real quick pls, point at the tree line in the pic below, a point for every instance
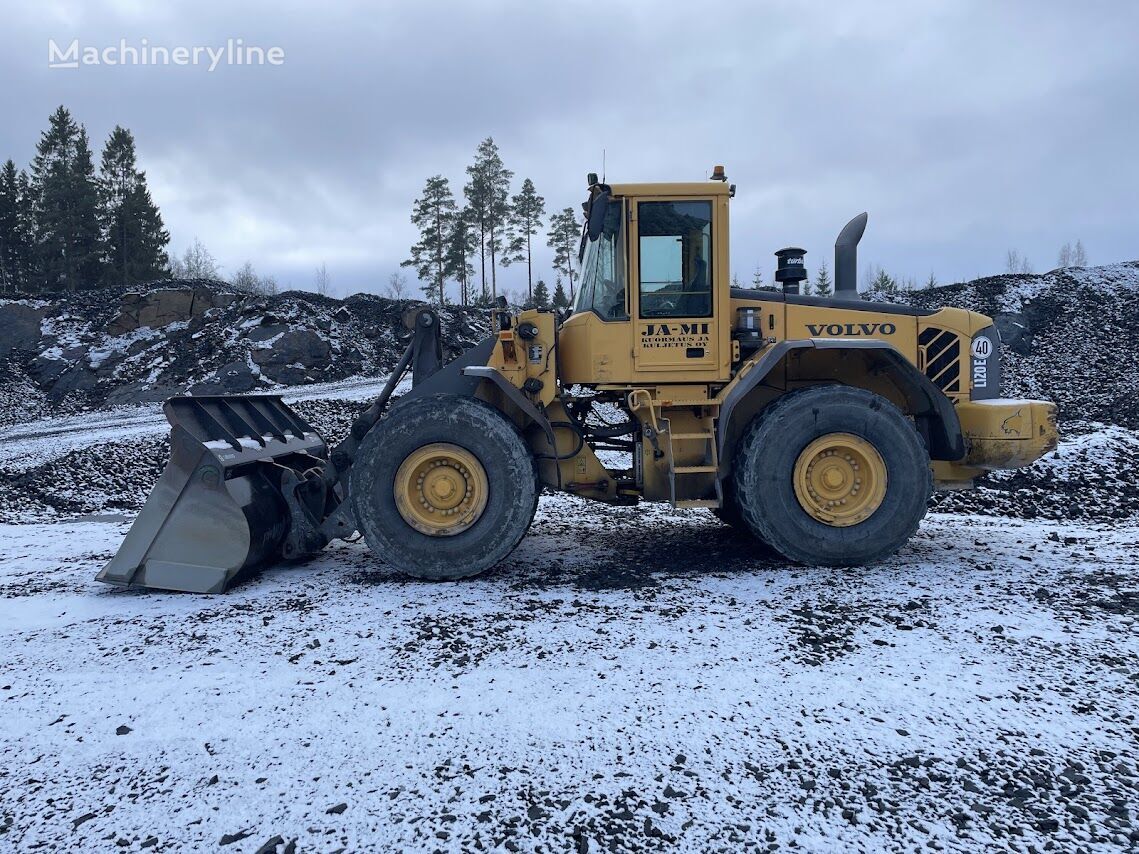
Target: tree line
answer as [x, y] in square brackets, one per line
[493, 226]
[66, 226]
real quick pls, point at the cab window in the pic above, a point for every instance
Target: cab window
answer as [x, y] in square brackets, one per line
[675, 249]
[602, 288]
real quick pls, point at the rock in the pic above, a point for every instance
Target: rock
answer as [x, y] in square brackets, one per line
[163, 306]
[336, 810]
[1016, 331]
[19, 327]
[270, 845]
[297, 346]
[232, 378]
[230, 838]
[77, 378]
[287, 374]
[123, 730]
[265, 332]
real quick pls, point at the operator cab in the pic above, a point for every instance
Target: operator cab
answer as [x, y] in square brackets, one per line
[654, 285]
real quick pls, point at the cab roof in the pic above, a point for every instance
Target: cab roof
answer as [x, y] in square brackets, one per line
[704, 189]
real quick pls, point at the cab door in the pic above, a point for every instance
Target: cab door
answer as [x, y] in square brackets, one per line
[673, 295]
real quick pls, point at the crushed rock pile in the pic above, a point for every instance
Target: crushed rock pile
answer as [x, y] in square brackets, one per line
[108, 347]
[1068, 335]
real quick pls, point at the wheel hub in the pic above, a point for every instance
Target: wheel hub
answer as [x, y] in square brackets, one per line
[440, 489]
[840, 479]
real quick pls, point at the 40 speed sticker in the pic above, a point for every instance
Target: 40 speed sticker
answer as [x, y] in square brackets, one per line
[982, 348]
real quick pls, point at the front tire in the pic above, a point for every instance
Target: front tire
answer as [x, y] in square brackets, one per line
[443, 487]
[833, 476]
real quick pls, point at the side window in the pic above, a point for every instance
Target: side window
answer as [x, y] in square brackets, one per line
[603, 269]
[675, 247]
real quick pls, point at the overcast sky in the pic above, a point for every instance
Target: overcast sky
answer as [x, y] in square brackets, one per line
[963, 128]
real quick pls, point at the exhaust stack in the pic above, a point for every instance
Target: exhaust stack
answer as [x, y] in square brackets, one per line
[846, 257]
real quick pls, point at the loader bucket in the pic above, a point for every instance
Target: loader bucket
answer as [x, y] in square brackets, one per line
[217, 510]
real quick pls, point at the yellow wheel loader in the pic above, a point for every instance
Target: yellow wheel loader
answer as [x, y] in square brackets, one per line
[818, 424]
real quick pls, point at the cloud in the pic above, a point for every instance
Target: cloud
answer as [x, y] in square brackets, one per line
[964, 128]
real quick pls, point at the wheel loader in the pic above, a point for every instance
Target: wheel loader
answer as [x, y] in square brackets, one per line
[819, 425]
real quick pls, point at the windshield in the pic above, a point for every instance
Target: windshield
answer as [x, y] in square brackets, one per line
[602, 288]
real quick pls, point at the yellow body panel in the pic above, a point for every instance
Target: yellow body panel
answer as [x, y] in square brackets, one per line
[1005, 434]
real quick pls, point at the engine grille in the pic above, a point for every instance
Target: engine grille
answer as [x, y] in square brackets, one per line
[941, 355]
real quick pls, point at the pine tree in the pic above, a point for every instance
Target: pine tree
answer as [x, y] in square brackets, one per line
[1079, 255]
[460, 247]
[28, 273]
[884, 283]
[66, 205]
[487, 194]
[13, 250]
[931, 282]
[757, 277]
[87, 244]
[823, 284]
[433, 215]
[560, 298]
[540, 298]
[132, 228]
[526, 211]
[499, 210]
[477, 192]
[563, 237]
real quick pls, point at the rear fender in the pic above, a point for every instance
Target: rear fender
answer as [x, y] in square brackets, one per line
[933, 412]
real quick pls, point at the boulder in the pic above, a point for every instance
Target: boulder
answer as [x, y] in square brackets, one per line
[295, 347]
[1016, 331]
[19, 327]
[164, 306]
[232, 378]
[76, 378]
[287, 374]
[264, 333]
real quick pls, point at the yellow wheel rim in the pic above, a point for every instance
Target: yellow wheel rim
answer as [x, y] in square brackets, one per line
[840, 479]
[441, 489]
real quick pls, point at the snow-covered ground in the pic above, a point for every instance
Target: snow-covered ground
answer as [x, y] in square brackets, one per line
[627, 679]
[630, 679]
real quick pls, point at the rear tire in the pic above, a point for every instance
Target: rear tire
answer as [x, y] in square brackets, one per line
[783, 471]
[397, 455]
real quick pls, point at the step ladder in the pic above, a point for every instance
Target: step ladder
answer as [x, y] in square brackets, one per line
[709, 465]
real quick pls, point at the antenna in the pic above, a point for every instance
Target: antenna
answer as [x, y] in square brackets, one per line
[603, 166]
